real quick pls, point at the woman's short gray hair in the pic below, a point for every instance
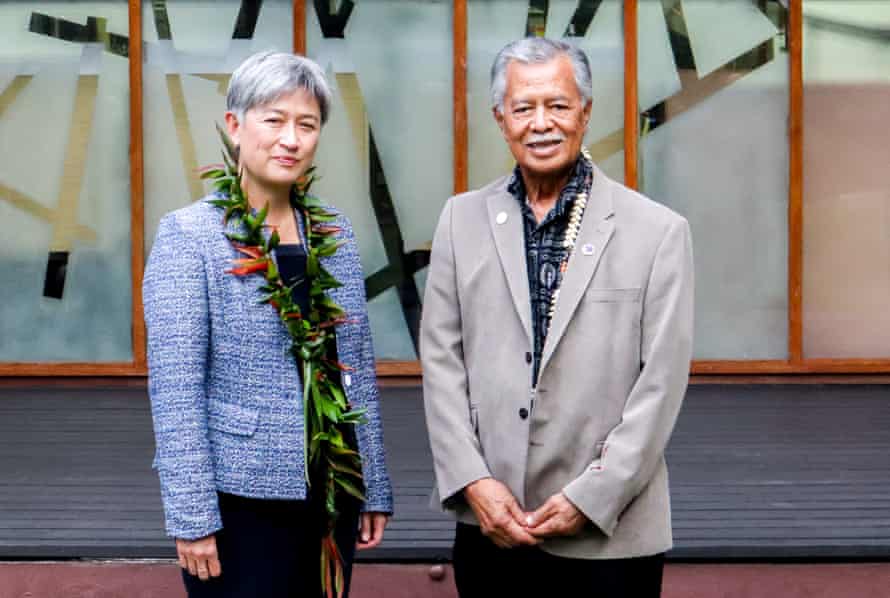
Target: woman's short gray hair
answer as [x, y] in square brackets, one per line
[538, 50]
[266, 76]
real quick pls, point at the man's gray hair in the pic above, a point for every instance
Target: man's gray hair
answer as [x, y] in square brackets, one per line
[266, 76]
[539, 50]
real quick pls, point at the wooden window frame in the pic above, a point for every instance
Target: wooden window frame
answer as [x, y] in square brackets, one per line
[796, 363]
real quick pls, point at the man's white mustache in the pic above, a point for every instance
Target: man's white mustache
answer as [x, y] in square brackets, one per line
[544, 139]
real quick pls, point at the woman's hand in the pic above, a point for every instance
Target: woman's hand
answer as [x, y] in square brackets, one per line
[199, 556]
[370, 530]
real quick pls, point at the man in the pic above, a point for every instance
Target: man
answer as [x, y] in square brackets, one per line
[556, 339]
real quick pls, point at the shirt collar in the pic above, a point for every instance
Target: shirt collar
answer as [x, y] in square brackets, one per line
[578, 181]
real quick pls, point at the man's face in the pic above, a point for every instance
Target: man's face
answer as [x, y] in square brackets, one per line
[543, 117]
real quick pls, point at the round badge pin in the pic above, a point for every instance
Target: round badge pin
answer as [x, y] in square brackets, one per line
[501, 217]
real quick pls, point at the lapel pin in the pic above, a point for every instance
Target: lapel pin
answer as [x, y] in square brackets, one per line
[501, 217]
[587, 249]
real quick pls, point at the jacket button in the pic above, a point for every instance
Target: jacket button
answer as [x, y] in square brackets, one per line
[523, 413]
[528, 358]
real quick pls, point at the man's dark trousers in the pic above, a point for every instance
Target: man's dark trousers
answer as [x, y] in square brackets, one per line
[484, 570]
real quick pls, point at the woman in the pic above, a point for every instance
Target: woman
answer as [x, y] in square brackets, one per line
[230, 341]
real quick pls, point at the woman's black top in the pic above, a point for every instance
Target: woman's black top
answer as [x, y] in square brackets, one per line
[292, 268]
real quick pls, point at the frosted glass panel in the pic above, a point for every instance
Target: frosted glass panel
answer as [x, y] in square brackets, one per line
[191, 50]
[65, 283]
[390, 342]
[604, 45]
[407, 86]
[196, 27]
[558, 17]
[343, 163]
[420, 280]
[27, 28]
[717, 152]
[658, 77]
[844, 43]
[386, 155]
[721, 30]
[493, 24]
[846, 283]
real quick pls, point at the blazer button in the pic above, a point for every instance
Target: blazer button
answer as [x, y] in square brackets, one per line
[528, 358]
[523, 413]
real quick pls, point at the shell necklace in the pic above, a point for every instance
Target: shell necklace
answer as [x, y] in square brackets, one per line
[571, 235]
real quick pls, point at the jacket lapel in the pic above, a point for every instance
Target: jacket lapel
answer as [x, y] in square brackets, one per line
[505, 220]
[596, 230]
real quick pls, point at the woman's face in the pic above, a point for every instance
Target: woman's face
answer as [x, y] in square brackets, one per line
[277, 140]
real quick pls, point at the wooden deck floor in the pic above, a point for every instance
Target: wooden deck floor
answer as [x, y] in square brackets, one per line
[757, 472]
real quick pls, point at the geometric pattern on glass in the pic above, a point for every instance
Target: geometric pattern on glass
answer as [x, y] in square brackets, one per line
[64, 183]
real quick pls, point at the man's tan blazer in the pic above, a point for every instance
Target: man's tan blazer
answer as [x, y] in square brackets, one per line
[613, 373]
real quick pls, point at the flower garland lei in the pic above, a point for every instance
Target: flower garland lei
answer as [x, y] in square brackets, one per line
[325, 408]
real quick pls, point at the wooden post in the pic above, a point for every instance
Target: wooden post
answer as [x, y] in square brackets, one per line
[631, 100]
[459, 73]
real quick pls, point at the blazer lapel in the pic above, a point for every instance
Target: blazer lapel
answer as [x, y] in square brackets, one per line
[505, 220]
[596, 230]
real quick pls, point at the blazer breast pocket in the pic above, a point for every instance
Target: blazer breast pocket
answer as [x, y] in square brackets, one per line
[622, 295]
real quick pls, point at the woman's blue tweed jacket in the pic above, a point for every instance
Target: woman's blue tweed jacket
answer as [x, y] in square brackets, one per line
[225, 392]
